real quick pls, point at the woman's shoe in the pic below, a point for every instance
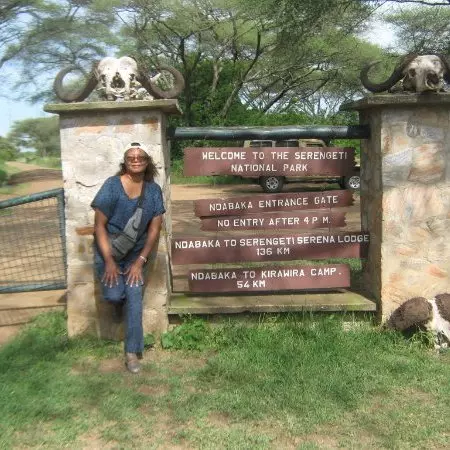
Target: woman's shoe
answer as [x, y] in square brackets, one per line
[132, 363]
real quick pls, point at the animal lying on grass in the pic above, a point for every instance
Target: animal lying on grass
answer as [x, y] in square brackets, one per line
[421, 313]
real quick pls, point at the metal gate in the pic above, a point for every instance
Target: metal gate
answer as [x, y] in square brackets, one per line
[32, 243]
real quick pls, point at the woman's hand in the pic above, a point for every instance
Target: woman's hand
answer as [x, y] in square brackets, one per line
[134, 273]
[111, 275]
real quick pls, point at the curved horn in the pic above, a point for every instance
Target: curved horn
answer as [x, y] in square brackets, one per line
[77, 96]
[396, 76]
[178, 85]
[446, 63]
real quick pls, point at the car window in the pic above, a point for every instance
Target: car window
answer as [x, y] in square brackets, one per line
[260, 143]
[287, 143]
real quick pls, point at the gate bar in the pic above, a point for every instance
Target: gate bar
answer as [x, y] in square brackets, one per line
[271, 133]
[32, 198]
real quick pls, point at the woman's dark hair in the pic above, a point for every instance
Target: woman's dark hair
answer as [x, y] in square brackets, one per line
[150, 172]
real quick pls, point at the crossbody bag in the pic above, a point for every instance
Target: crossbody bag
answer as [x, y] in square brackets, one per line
[125, 241]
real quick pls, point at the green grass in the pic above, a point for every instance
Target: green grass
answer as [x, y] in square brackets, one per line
[15, 190]
[297, 381]
[52, 162]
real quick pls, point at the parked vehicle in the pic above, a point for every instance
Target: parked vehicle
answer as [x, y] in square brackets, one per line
[272, 183]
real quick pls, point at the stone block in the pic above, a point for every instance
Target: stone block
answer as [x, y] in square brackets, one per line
[93, 137]
[154, 321]
[408, 157]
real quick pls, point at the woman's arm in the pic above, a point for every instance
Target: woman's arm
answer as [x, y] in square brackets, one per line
[135, 270]
[111, 275]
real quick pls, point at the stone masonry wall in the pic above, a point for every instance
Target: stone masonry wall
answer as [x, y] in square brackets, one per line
[92, 146]
[405, 202]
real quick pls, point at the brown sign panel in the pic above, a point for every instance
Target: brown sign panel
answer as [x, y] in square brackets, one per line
[263, 203]
[192, 250]
[285, 278]
[254, 162]
[276, 221]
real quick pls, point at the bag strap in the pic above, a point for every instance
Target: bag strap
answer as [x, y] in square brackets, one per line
[134, 223]
[142, 196]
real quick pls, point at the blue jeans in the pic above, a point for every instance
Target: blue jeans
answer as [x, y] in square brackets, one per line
[132, 298]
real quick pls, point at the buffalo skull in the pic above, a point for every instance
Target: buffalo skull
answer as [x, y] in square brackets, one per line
[416, 73]
[118, 78]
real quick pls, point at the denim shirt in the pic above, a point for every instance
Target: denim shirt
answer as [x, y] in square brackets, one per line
[114, 203]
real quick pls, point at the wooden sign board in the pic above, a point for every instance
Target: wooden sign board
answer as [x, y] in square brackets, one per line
[276, 221]
[262, 203]
[254, 162]
[193, 250]
[281, 278]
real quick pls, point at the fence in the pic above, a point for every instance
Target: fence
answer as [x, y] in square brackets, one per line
[32, 243]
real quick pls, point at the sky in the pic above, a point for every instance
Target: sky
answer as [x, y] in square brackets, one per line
[12, 110]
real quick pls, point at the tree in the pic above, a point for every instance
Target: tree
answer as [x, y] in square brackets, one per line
[422, 29]
[235, 55]
[258, 52]
[8, 151]
[421, 2]
[38, 38]
[40, 134]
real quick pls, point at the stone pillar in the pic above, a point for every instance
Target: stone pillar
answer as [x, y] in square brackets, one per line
[405, 196]
[93, 137]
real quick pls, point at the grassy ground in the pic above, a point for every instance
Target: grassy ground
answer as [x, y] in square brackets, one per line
[292, 382]
[5, 189]
[51, 162]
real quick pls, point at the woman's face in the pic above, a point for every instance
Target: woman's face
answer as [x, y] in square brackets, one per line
[136, 160]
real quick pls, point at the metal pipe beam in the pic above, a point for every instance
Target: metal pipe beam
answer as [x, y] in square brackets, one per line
[324, 132]
[27, 287]
[31, 198]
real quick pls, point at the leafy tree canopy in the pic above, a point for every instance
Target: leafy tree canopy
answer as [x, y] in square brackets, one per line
[40, 134]
[8, 151]
[422, 29]
[240, 58]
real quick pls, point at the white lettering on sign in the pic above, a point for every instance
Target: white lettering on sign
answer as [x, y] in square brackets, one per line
[326, 200]
[266, 241]
[353, 238]
[321, 155]
[247, 284]
[282, 273]
[269, 278]
[274, 221]
[248, 222]
[213, 275]
[230, 206]
[295, 167]
[214, 156]
[321, 272]
[211, 243]
[240, 168]
[283, 241]
[283, 202]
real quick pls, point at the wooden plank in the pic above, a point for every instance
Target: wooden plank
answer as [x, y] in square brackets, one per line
[263, 203]
[30, 300]
[221, 304]
[268, 248]
[263, 279]
[276, 221]
[85, 231]
[21, 316]
[280, 161]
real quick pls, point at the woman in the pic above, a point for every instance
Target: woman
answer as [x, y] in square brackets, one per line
[115, 203]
